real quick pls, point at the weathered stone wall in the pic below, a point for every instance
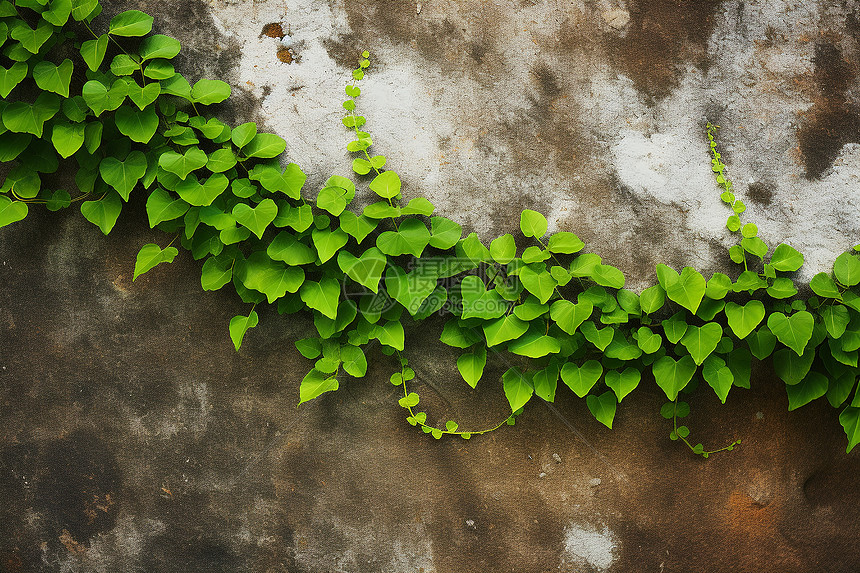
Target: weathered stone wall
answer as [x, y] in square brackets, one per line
[134, 438]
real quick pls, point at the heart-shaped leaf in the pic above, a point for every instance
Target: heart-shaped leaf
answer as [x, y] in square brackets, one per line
[541, 284]
[702, 341]
[518, 388]
[100, 99]
[688, 290]
[503, 249]
[265, 146]
[850, 420]
[811, 388]
[93, 52]
[159, 46]
[366, 270]
[533, 224]
[409, 289]
[648, 341]
[58, 13]
[569, 316]
[182, 164]
[444, 233]
[836, 319]
[744, 319]
[131, 23]
[150, 256]
[600, 338]
[239, 325]
[20, 117]
[32, 40]
[673, 376]
[216, 273]
[143, 96]
[602, 407]
[208, 92]
[54, 78]
[608, 276]
[160, 206]
[104, 212]
[386, 185]
[718, 376]
[203, 194]
[794, 331]
[535, 344]
[67, 138]
[824, 286]
[478, 302]
[328, 242]
[11, 211]
[652, 299]
[622, 383]
[503, 329]
[123, 175]
[546, 382]
[786, 258]
[256, 219]
[138, 126]
[316, 383]
[581, 379]
[287, 248]
[322, 296]
[9, 78]
[790, 367]
[272, 278]
[411, 238]
[471, 365]
[565, 243]
[846, 269]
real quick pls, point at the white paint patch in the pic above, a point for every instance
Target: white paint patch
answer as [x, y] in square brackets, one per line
[586, 546]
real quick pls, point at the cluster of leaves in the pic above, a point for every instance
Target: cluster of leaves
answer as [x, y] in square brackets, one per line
[110, 109]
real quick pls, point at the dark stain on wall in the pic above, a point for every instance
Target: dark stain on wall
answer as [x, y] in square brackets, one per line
[834, 119]
[761, 192]
[662, 36]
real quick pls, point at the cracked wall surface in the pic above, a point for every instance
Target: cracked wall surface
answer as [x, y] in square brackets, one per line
[135, 439]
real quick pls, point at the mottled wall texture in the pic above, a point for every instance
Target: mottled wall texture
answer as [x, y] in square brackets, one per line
[133, 437]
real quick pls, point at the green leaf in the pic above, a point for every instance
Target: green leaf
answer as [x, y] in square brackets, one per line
[675, 327]
[67, 138]
[288, 182]
[137, 125]
[328, 242]
[445, 233]
[821, 284]
[583, 265]
[790, 367]
[530, 309]
[847, 269]
[410, 401]
[503, 249]
[518, 389]
[208, 92]
[812, 387]
[503, 329]
[131, 23]
[54, 78]
[836, 319]
[59, 199]
[569, 316]
[744, 319]
[366, 270]
[104, 212]
[386, 185]
[689, 290]
[479, 302]
[411, 238]
[20, 117]
[458, 337]
[418, 206]
[718, 376]
[322, 296]
[600, 338]
[622, 383]
[740, 363]
[354, 360]
[123, 175]
[648, 341]
[785, 258]
[761, 343]
[59, 12]
[182, 164]
[535, 344]
[159, 46]
[150, 256]
[565, 243]
[782, 288]
[471, 365]
[546, 382]
[533, 224]
[673, 376]
[581, 379]
[316, 383]
[850, 420]
[265, 146]
[269, 277]
[32, 40]
[202, 195]
[100, 99]
[244, 134]
[143, 96]
[9, 78]
[258, 218]
[652, 299]
[287, 248]
[334, 198]
[608, 276]
[602, 407]
[11, 211]
[718, 287]
[540, 284]
[216, 273]
[159, 70]
[390, 334]
[82, 9]
[794, 331]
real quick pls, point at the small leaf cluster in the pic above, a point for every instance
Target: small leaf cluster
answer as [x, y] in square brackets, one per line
[106, 106]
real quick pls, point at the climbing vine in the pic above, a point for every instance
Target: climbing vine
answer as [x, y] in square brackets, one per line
[100, 109]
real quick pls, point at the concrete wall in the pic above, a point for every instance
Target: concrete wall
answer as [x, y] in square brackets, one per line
[135, 439]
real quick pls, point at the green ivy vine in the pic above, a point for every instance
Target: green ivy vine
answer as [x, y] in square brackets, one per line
[105, 104]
